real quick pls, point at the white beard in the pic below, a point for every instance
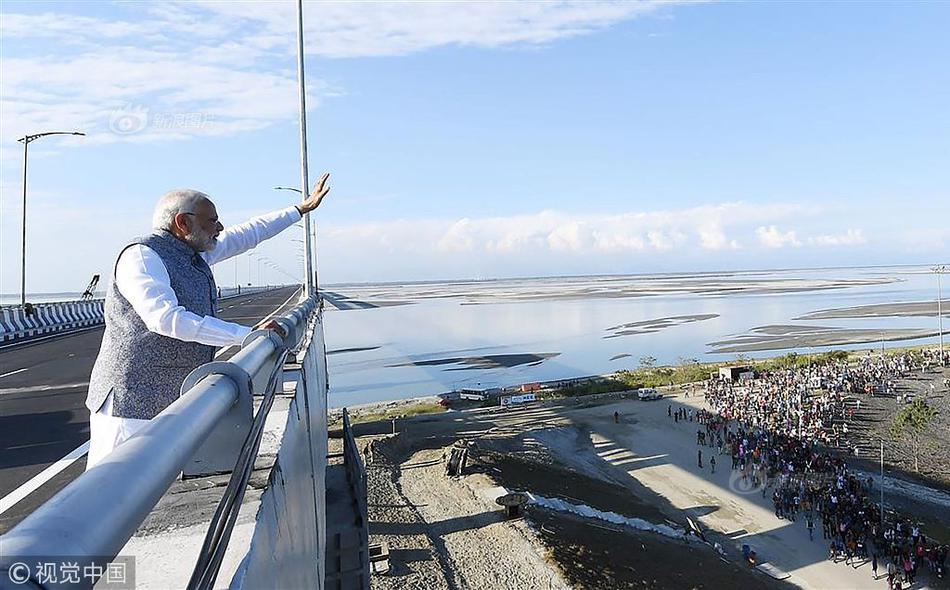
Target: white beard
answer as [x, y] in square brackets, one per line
[201, 240]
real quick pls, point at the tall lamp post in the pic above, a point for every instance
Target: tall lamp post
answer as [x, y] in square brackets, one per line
[310, 284]
[939, 270]
[25, 140]
[305, 242]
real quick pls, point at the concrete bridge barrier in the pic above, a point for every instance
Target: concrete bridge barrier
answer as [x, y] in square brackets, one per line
[19, 324]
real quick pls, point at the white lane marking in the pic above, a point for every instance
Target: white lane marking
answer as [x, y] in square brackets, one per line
[276, 311]
[281, 306]
[42, 477]
[14, 372]
[37, 388]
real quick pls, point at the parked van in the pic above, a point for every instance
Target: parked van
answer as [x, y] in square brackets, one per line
[648, 393]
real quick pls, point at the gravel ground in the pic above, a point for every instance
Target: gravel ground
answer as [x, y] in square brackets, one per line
[443, 534]
[415, 561]
[876, 413]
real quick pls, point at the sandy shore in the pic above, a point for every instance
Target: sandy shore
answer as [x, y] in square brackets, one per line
[346, 297]
[882, 310]
[784, 336]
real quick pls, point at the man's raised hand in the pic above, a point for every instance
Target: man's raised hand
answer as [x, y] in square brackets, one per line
[316, 196]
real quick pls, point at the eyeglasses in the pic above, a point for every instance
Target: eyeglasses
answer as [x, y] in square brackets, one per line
[214, 220]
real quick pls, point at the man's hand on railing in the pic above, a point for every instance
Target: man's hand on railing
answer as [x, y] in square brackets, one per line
[272, 325]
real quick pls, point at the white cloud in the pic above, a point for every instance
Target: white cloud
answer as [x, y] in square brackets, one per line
[661, 240]
[552, 242]
[350, 29]
[711, 237]
[852, 237]
[230, 65]
[771, 237]
[662, 231]
[180, 98]
[458, 238]
[924, 240]
[567, 237]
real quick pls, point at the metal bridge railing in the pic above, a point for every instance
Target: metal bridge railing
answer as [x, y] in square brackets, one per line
[93, 518]
[355, 469]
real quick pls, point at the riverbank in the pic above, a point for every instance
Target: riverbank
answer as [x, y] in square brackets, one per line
[639, 467]
[447, 532]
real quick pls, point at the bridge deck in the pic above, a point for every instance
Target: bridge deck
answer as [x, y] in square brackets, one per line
[42, 413]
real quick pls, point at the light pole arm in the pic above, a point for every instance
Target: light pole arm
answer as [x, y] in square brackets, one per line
[33, 137]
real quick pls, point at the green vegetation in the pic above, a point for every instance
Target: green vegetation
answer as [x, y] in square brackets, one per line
[592, 387]
[793, 360]
[403, 411]
[909, 425]
[690, 370]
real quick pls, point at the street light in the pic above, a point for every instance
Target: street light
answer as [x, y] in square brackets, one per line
[939, 270]
[25, 140]
[310, 272]
[250, 256]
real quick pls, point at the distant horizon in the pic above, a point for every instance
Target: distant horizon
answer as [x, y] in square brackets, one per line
[545, 277]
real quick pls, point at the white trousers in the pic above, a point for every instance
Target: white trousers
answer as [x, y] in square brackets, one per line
[106, 432]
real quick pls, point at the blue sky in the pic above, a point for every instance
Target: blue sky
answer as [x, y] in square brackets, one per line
[487, 139]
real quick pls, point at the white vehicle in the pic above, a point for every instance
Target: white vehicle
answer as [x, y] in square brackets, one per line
[514, 400]
[648, 393]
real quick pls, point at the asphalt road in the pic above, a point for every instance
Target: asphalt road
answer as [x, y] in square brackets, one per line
[42, 393]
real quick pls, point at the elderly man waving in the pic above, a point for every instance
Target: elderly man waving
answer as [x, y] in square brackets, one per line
[160, 307]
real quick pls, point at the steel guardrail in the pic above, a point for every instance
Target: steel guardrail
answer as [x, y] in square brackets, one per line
[355, 468]
[95, 515]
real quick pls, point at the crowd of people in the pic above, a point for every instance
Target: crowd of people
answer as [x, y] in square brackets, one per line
[781, 430]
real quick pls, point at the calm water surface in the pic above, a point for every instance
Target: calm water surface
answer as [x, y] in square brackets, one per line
[429, 344]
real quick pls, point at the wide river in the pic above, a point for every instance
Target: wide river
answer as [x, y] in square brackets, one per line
[397, 341]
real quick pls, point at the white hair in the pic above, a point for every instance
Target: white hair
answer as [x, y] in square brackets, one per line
[182, 200]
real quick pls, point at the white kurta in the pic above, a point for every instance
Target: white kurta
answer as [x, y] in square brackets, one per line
[142, 279]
